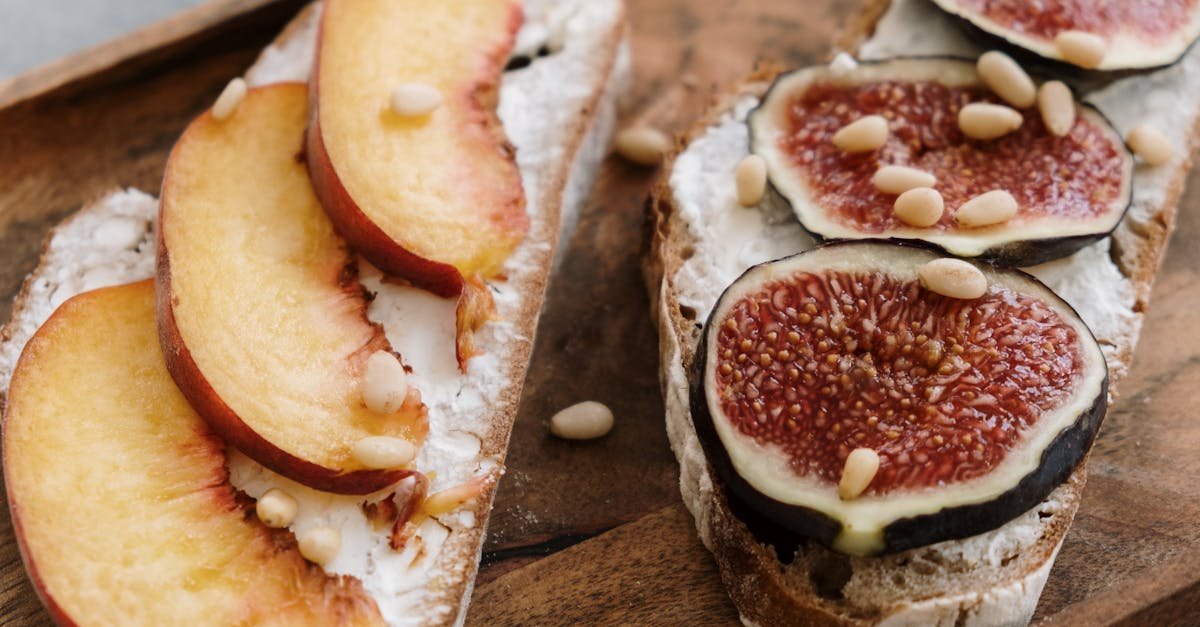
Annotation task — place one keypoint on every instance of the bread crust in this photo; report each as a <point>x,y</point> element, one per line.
<point>21,302</point>
<point>459,557</point>
<point>544,227</point>
<point>757,582</point>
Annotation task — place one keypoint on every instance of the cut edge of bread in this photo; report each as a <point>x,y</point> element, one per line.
<point>572,180</point>
<point>564,183</point>
<point>806,591</point>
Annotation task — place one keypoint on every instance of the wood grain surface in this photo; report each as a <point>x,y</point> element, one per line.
<point>594,532</point>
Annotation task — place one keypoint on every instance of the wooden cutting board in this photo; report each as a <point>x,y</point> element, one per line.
<point>594,532</point>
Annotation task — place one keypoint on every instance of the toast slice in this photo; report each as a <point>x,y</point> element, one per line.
<point>702,240</point>
<point>558,107</point>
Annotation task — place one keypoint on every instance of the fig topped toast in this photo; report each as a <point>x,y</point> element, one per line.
<point>704,238</point>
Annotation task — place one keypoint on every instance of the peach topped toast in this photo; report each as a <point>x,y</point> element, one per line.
<point>120,498</point>
<point>559,110</point>
<point>261,317</point>
<point>404,146</point>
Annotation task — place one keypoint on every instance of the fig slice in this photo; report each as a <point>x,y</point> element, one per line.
<point>1070,190</point>
<point>976,408</point>
<point>1137,35</point>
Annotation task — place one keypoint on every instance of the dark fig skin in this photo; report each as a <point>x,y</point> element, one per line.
<point>1018,254</point>
<point>1083,79</point>
<point>788,526</point>
<point>1013,254</point>
<point>1058,462</point>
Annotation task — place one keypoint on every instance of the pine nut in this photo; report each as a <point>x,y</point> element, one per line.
<point>986,209</point>
<point>384,384</point>
<point>1006,78</point>
<point>381,451</point>
<point>643,145</point>
<point>920,206</point>
<point>861,466</point>
<point>582,421</point>
<point>1150,144</point>
<point>320,545</point>
<point>954,278</point>
<point>897,179</point>
<point>230,98</point>
<point>451,499</point>
<point>1079,48</point>
<point>276,508</point>
<point>751,178</point>
<point>983,120</point>
<point>842,64</point>
<point>1057,106</point>
<point>415,99</point>
<point>862,135</point>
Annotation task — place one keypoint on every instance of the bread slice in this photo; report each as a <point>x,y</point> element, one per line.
<point>559,110</point>
<point>702,240</point>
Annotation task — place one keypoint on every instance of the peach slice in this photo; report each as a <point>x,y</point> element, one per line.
<point>433,196</point>
<point>261,318</point>
<point>120,500</point>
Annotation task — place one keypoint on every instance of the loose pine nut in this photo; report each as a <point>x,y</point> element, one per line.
<point>921,206</point>
<point>1057,106</point>
<point>415,99</point>
<point>983,120</point>
<point>954,278</point>
<point>1079,48</point>
<point>751,178</point>
<point>385,383</point>
<point>861,466</point>
<point>320,544</point>
<point>381,451</point>
<point>582,421</point>
<point>986,209</point>
<point>1006,78</point>
<point>276,508</point>
<point>862,135</point>
<point>897,179</point>
<point>230,98</point>
<point>1150,144</point>
<point>643,145</point>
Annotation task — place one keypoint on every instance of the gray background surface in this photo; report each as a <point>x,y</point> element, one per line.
<point>33,32</point>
